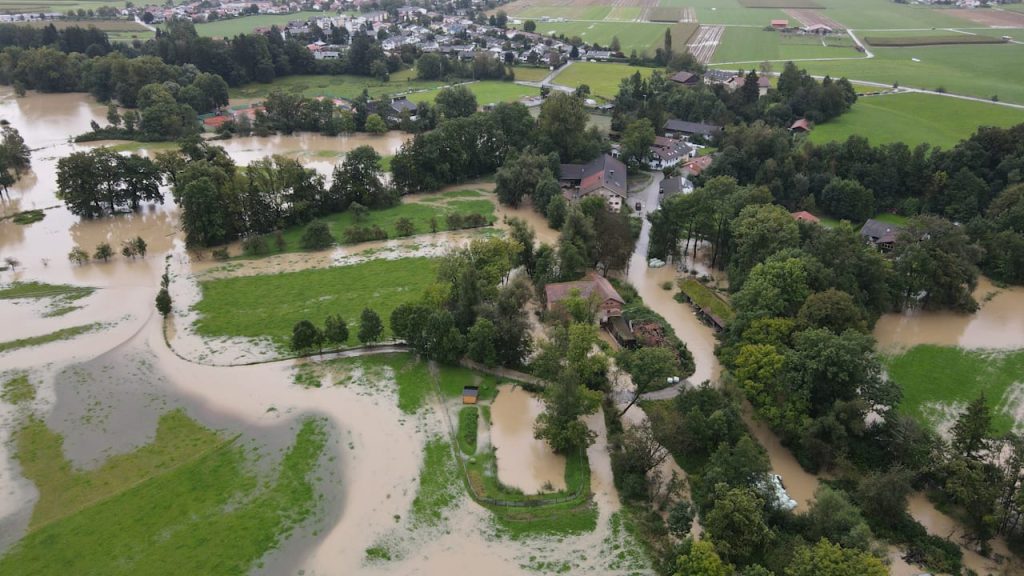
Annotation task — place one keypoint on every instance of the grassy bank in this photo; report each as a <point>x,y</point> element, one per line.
<point>189,500</point>
<point>274,303</point>
<point>61,297</point>
<point>936,380</point>
<point>62,334</point>
<point>915,119</point>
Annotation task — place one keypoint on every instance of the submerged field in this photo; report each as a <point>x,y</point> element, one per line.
<point>915,119</point>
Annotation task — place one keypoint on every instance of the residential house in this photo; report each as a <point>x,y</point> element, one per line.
<point>715,76</point>
<point>686,130</point>
<point>399,105</point>
<point>696,166</point>
<point>805,216</point>
<point>604,177</point>
<point>609,302</point>
<point>675,185</point>
<point>668,152</point>
<point>881,235</point>
<point>737,82</point>
<point>801,126</point>
<point>685,78</point>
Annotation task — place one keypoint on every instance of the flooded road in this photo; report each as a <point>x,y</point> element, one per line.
<point>523,461</point>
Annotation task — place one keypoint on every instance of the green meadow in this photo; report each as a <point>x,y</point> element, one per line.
<point>602,77</point>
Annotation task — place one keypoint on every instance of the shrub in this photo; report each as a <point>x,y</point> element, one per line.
<point>317,236</point>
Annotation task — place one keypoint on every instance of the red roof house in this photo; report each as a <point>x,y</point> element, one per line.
<point>805,216</point>
<point>610,303</point>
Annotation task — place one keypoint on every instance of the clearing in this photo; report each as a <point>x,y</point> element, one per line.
<point>487,91</point>
<point>915,119</point>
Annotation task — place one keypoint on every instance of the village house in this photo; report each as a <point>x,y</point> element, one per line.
<point>668,152</point>
<point>801,126</point>
<point>737,82</point>
<point>686,130</point>
<point>696,166</point>
<point>609,302</point>
<point>604,177</point>
<point>881,235</point>
<point>685,78</point>
<point>805,216</point>
<point>674,185</point>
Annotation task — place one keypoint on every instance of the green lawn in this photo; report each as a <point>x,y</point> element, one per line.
<point>757,45</point>
<point>945,376</point>
<point>62,334</point>
<point>974,70</point>
<point>440,483</point>
<point>486,92</point>
<point>420,213</point>
<point>892,219</point>
<point>915,119</point>
<point>340,86</point>
<point>531,73</point>
<point>602,77</point>
<point>888,14</point>
<point>188,500</point>
<point>274,303</point>
<point>468,418</point>
<point>246,24</point>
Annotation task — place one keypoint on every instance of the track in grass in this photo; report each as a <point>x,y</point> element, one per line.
<point>705,42</point>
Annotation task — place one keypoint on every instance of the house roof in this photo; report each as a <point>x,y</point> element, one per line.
<point>603,172</point>
<point>802,125</point>
<point>675,185</point>
<point>780,22</point>
<point>685,77</point>
<point>403,104</point>
<point>805,216</point>
<point>698,165</point>
<point>880,232</point>
<point>593,284</point>
<point>762,81</point>
<point>685,127</point>
<point>473,391</point>
<point>718,76</point>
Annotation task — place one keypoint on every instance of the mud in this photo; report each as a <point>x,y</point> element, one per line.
<point>523,461</point>
<point>998,324</point>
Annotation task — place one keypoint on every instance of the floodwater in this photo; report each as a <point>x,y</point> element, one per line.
<point>523,461</point>
<point>998,324</point>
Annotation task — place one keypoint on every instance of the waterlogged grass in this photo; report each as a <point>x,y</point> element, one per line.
<point>936,379</point>
<point>440,484</point>
<point>62,334</point>
<point>339,86</point>
<point>704,297</point>
<point>28,217</point>
<point>274,303</point>
<point>187,501</point>
<point>468,418</point>
<point>62,297</point>
<point>17,388</point>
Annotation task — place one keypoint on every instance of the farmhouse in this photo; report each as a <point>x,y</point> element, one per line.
<point>609,301</point>
<point>683,129</point>
<point>880,234</point>
<point>604,177</point>
<point>737,82</point>
<point>668,152</point>
<point>675,185</point>
<point>685,78</point>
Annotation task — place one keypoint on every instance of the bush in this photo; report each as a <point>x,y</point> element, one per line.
<point>317,236</point>
<point>163,302</point>
<point>220,254</point>
<point>78,256</point>
<point>103,252</point>
<point>255,246</point>
<point>467,429</point>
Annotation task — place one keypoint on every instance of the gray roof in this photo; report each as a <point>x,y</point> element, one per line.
<point>604,171</point>
<point>692,127</point>
<point>876,231</point>
<point>674,185</point>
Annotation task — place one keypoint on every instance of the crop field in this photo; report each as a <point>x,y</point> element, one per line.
<point>639,36</point>
<point>755,45</point>
<point>602,77</point>
<point>274,303</point>
<point>868,14</point>
<point>30,6</point>
<point>567,12</point>
<point>624,13</point>
<point>915,119</point>
<point>991,17</point>
<point>780,3</point>
<point>664,14</point>
<point>234,26</point>
<point>973,70</point>
<point>936,380</point>
<point>910,41</point>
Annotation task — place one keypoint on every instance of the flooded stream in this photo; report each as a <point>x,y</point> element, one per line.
<point>523,461</point>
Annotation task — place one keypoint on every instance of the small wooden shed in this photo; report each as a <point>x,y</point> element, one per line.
<point>470,394</point>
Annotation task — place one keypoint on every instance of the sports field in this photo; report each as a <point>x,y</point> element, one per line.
<point>602,77</point>
<point>915,119</point>
<point>234,26</point>
<point>756,45</point>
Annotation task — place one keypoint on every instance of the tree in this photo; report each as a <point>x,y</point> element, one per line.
<point>521,176</point>
<point>834,517</point>
<point>883,496</point>
<point>648,366</point>
<point>78,256</point>
<point>305,336</point>
<point>456,102</point>
<point>316,236</point>
<point>375,124</point>
<point>848,199</point>
<point>667,45</point>
<point>480,340</point>
<point>701,560</point>
<point>637,141</point>
<point>404,227</point>
<point>562,128</point>
<point>103,252</point>
<point>565,401</point>
<point>833,560</point>
<point>336,330</point>
<point>935,258</point>
<point>680,518</point>
<point>529,26</point>
<point>832,309</point>
<point>163,302</point>
<point>736,524</point>
<point>371,329</point>
<point>759,231</point>
<point>359,179</point>
<point>615,46</point>
<point>972,429</point>
<point>15,157</point>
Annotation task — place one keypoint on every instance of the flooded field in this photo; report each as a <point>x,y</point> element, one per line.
<point>523,461</point>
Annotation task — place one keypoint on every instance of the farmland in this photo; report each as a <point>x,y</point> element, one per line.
<point>603,78</point>
<point>486,92</point>
<point>915,119</point>
<point>780,3</point>
<point>234,26</point>
<point>909,41</point>
<point>340,86</point>
<point>755,45</point>
<point>639,36</point>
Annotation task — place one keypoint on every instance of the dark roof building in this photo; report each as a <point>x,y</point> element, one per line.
<point>675,185</point>
<point>605,176</point>
<point>685,78</point>
<point>881,235</point>
<point>684,128</point>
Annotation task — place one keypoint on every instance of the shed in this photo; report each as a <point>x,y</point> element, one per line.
<point>801,125</point>
<point>470,394</point>
<point>780,24</point>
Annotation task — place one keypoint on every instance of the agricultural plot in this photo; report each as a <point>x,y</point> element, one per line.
<point>973,70</point>
<point>663,14</point>
<point>566,12</point>
<point>244,25</point>
<point>640,36</point>
<point>915,119</point>
<point>911,41</point>
<point>996,18</point>
<point>780,3</point>
<point>881,14</point>
<point>603,78</point>
<point>486,92</point>
<point>341,86</point>
<point>705,42</point>
<point>746,45</point>
<point>814,18</point>
<point>626,13</point>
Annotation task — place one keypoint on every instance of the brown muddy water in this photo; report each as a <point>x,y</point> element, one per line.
<point>523,461</point>
<point>998,324</point>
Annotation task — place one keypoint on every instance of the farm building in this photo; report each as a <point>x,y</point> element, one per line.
<point>685,78</point>
<point>683,129</point>
<point>880,234</point>
<point>604,177</point>
<point>780,24</point>
<point>805,216</point>
<point>801,126</point>
<point>610,303</point>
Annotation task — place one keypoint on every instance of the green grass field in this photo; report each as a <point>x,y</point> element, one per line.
<point>440,483</point>
<point>915,119</point>
<point>274,303</point>
<point>639,36</point>
<point>933,377</point>
<point>703,297</point>
<point>420,213</point>
<point>187,500</point>
<point>246,24</point>
<point>486,92</point>
<point>341,86</point>
<point>977,70</point>
<point>567,12</point>
<point>756,45</point>
<point>625,13</point>
<point>868,14</point>
<point>121,26</point>
<point>602,77</point>
<point>531,73</point>
<point>468,418</point>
